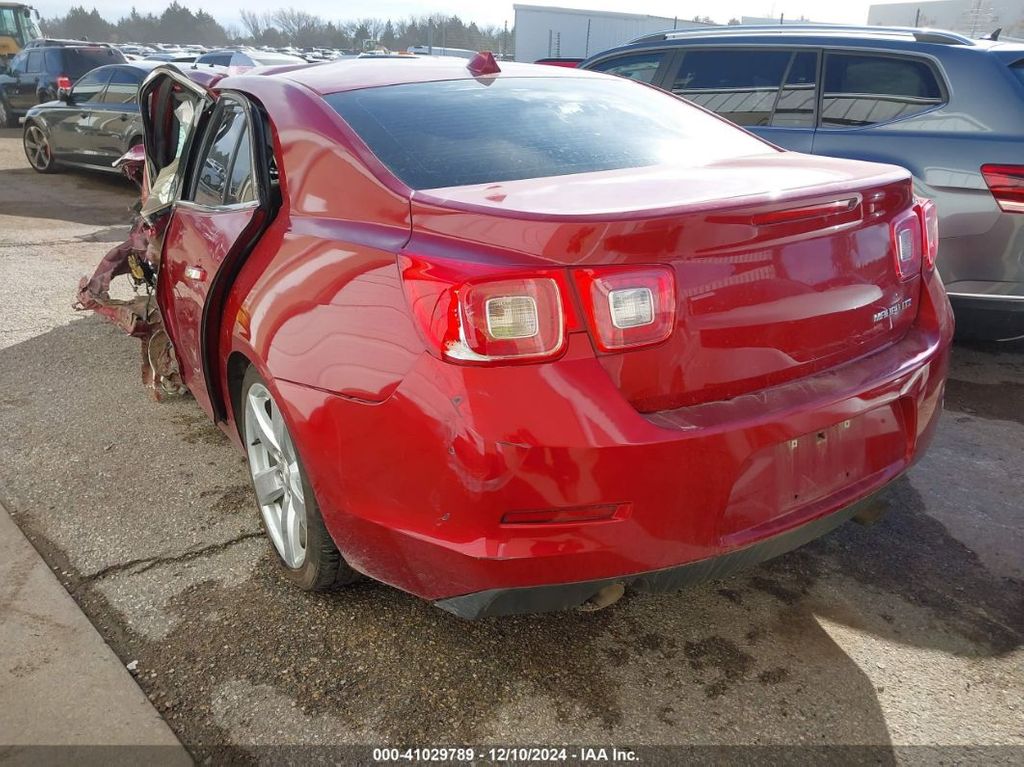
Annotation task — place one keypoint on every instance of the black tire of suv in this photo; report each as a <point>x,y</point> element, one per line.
<point>6,118</point>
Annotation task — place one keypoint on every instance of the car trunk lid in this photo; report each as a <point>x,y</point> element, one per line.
<point>783,263</point>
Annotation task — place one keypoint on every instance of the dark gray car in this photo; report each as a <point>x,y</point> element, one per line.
<point>948,108</point>
<point>92,125</point>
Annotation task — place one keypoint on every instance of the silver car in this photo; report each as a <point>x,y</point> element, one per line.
<point>948,108</point>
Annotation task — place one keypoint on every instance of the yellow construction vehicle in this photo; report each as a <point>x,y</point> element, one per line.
<point>19,23</point>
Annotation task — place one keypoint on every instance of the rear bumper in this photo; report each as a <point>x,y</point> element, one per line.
<point>414,489</point>
<point>993,315</point>
<point>562,596</point>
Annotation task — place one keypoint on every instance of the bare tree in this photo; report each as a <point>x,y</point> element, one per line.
<point>299,26</point>
<point>256,24</point>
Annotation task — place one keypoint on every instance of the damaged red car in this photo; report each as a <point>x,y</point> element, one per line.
<point>515,339</point>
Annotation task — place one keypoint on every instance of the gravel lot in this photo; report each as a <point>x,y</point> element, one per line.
<point>907,632</point>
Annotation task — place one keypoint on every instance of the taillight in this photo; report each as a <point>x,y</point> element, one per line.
<point>627,307</point>
<point>907,236</point>
<point>476,314</point>
<point>473,313</point>
<point>930,231</point>
<point>64,83</point>
<point>1006,182</point>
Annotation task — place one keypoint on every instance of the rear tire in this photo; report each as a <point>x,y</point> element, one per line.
<point>288,507</point>
<point>6,118</point>
<point>38,149</point>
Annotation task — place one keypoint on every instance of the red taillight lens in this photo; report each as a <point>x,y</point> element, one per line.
<point>510,319</point>
<point>64,83</point>
<point>628,307</point>
<point>477,314</point>
<point>907,236</point>
<point>930,231</point>
<point>1006,182</point>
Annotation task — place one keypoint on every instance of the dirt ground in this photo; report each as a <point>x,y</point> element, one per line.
<point>908,632</point>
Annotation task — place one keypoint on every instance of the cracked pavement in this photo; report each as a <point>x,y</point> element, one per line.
<point>907,632</point>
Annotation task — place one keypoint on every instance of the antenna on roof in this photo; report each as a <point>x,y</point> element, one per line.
<point>993,35</point>
<point>483,64</point>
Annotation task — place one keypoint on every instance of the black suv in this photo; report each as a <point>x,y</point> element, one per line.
<point>40,72</point>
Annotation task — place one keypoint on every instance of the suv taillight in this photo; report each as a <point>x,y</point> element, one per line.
<point>1006,182</point>
<point>476,314</point>
<point>929,231</point>
<point>64,83</point>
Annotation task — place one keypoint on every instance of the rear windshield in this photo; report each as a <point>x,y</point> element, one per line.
<point>269,59</point>
<point>463,132</point>
<point>78,61</point>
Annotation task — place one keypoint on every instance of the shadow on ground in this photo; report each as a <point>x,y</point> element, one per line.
<point>79,196</point>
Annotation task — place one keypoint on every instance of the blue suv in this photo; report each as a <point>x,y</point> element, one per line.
<point>948,108</point>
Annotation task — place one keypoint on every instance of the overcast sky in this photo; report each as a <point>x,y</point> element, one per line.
<point>488,11</point>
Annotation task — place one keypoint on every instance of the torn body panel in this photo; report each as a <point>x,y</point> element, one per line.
<point>172,107</point>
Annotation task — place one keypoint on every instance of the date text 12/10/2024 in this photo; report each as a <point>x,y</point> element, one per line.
<point>503,754</point>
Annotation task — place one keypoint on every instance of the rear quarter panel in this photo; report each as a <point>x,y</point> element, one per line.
<point>319,302</point>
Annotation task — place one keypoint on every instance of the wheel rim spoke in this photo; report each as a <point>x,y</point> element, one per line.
<point>276,475</point>
<point>295,480</point>
<point>292,534</point>
<point>269,487</point>
<point>258,407</point>
<point>277,425</point>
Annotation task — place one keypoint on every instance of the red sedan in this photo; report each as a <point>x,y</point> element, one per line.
<point>514,340</point>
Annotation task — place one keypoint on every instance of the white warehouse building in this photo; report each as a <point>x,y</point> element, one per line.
<point>968,17</point>
<point>545,32</point>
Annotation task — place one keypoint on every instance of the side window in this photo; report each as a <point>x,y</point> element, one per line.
<point>639,66</point>
<point>242,187</point>
<point>868,89</point>
<point>89,88</point>
<point>740,85</point>
<point>54,63</point>
<point>224,173</point>
<point>34,65</point>
<point>18,64</point>
<point>8,24</point>
<point>123,87</point>
<point>796,105</point>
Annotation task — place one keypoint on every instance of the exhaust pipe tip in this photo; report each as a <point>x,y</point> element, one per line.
<point>872,512</point>
<point>606,597</point>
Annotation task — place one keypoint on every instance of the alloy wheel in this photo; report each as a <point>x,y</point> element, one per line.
<point>3,114</point>
<point>37,148</point>
<point>276,477</point>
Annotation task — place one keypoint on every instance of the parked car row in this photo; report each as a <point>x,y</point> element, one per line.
<point>95,122</point>
<point>512,338</point>
<point>947,108</point>
<point>39,73</point>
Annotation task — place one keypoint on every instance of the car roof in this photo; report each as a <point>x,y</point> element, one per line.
<point>897,38</point>
<point>54,42</point>
<point>371,72</point>
<point>141,65</point>
<point>827,31</point>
